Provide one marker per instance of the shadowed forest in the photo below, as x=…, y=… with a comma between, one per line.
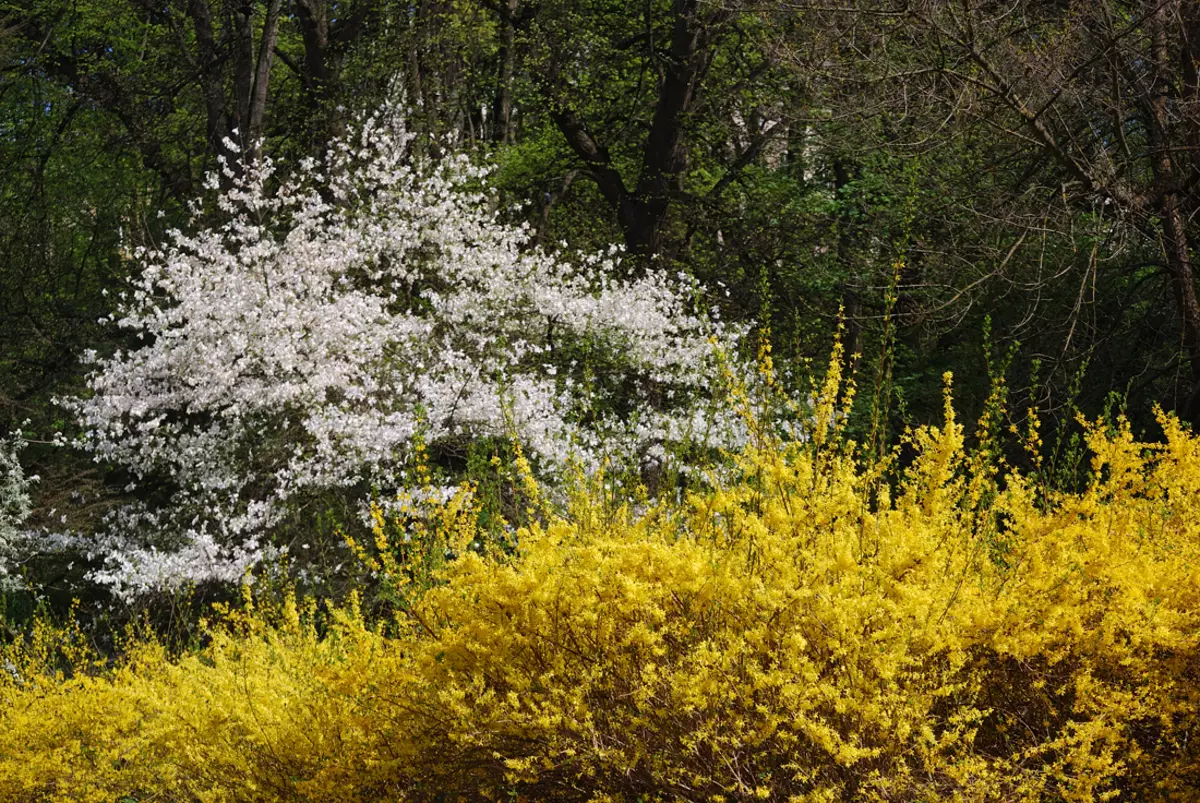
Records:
x=597, y=400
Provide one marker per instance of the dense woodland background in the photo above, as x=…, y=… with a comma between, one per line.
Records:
x=991, y=188
x=487, y=511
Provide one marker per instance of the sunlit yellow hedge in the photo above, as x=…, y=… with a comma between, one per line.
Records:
x=808, y=631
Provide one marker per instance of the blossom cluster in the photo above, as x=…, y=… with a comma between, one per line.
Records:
x=15, y=504
x=345, y=308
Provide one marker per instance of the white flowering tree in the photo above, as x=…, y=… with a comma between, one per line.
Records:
x=299, y=347
x=14, y=504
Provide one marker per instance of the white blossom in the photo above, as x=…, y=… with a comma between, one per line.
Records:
x=15, y=504
x=299, y=347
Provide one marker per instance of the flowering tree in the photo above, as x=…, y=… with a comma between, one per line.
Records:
x=14, y=502
x=298, y=348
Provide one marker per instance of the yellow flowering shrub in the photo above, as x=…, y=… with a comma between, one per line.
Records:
x=808, y=630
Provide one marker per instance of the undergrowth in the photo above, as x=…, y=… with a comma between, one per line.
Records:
x=805, y=625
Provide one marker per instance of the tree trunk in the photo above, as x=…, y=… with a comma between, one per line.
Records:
x=315, y=80
x=664, y=158
x=212, y=86
x=641, y=223
x=251, y=72
x=1179, y=264
x=642, y=211
x=1176, y=247
x=262, y=78
x=242, y=13
x=502, y=130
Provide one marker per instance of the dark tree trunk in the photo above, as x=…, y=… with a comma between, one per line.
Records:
x=502, y=129
x=1176, y=245
x=1189, y=63
x=1179, y=264
x=262, y=78
x=315, y=77
x=325, y=45
x=642, y=211
x=251, y=73
x=242, y=14
x=208, y=65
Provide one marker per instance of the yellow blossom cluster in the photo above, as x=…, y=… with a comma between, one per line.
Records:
x=809, y=630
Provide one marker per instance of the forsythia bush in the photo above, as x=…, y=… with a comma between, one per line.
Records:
x=807, y=630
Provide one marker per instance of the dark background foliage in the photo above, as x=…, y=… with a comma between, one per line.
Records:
x=948, y=180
